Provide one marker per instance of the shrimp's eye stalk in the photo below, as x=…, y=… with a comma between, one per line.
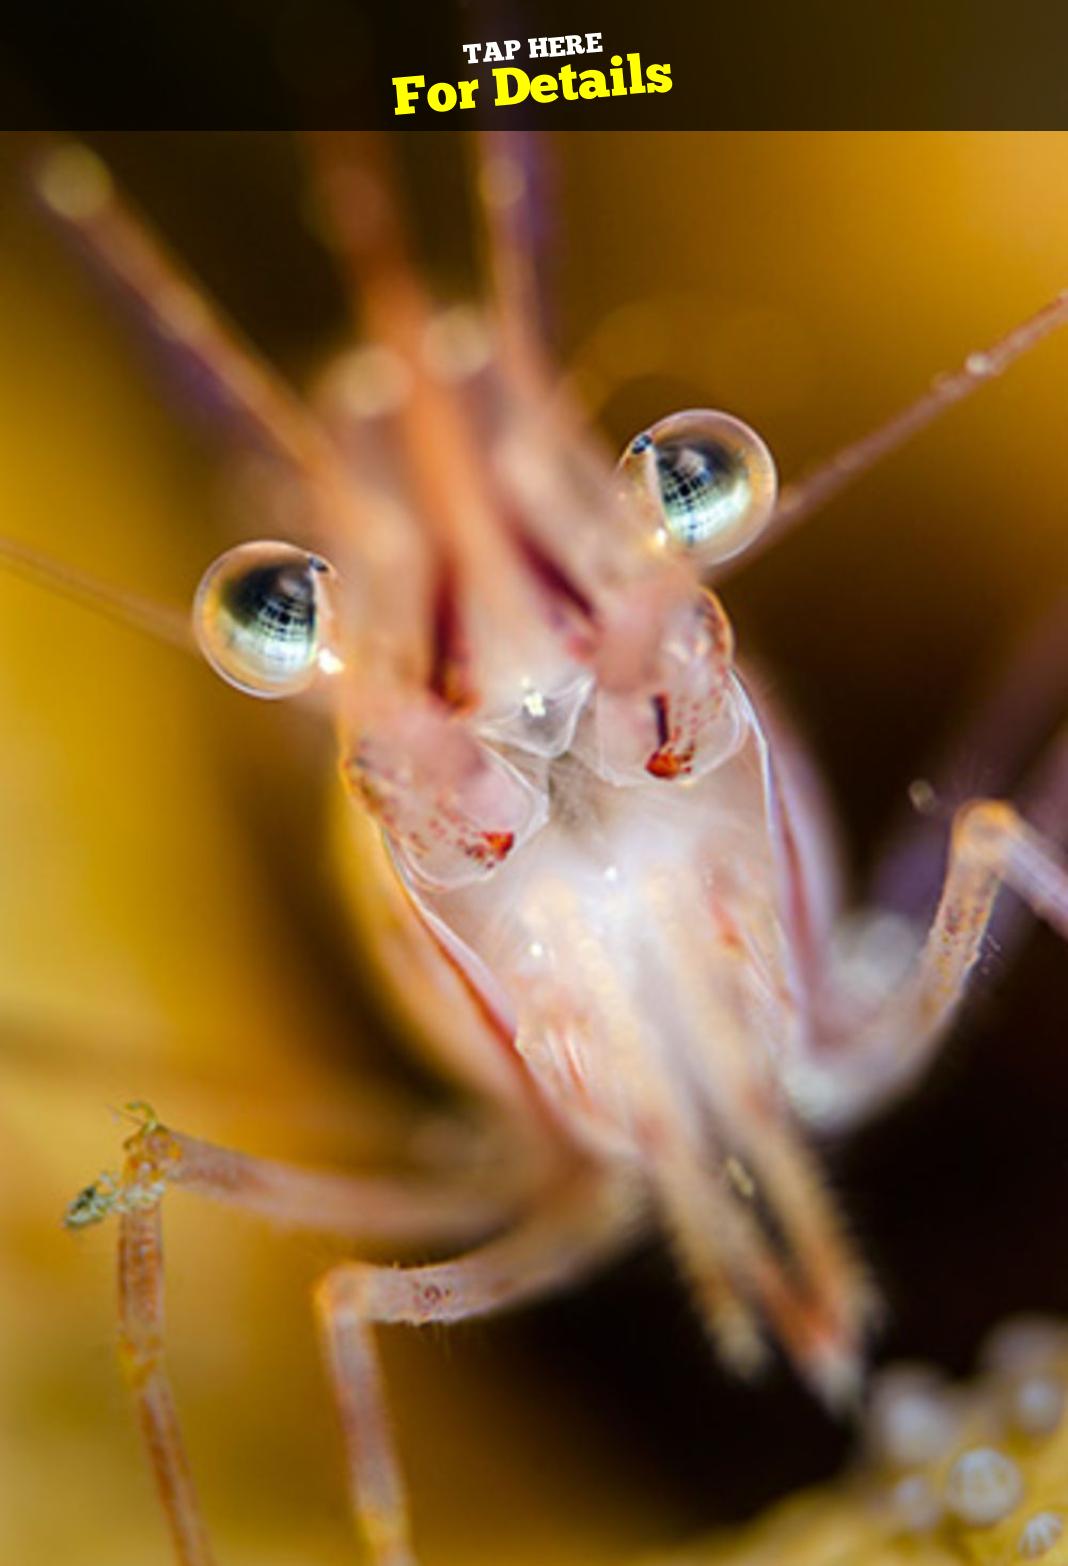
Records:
x=707, y=481
x=262, y=617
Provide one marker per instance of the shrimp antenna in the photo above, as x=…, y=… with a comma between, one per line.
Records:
x=814, y=489
x=362, y=226
x=77, y=191
x=504, y=167
x=159, y=621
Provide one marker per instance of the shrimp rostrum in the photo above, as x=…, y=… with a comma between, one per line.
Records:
x=613, y=851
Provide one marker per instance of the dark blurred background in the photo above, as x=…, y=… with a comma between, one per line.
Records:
x=168, y=915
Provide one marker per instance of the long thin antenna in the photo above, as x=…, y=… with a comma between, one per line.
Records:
x=504, y=161
x=77, y=190
x=815, y=489
x=159, y=621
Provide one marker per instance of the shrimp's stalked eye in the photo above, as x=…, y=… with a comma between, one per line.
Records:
x=259, y=617
x=708, y=480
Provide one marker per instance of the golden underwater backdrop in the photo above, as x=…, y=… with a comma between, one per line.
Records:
x=171, y=928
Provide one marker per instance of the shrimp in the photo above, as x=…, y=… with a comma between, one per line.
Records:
x=606, y=851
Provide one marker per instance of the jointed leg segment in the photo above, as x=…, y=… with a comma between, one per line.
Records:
x=583, y=1225
x=396, y=1210
x=576, y=1226
x=141, y=1350
x=991, y=846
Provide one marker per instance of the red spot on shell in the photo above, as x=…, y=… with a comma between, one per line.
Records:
x=494, y=846
x=669, y=763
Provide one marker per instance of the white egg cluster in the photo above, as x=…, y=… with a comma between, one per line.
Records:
x=981, y=1458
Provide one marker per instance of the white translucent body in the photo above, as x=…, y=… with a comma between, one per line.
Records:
x=604, y=934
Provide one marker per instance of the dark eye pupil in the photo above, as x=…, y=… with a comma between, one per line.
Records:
x=699, y=487
x=275, y=602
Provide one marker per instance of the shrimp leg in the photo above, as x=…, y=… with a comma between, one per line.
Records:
x=141, y=1352
x=581, y=1227
x=396, y=1210
x=329, y=1203
x=993, y=751
x=991, y=846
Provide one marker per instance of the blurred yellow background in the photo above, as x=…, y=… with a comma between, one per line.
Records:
x=165, y=918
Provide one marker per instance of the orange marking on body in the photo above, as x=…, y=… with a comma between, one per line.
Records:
x=669, y=763
x=667, y=760
x=494, y=846
x=728, y=934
